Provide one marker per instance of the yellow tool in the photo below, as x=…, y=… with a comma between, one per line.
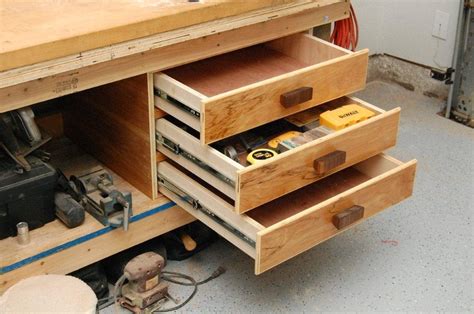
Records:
x=344, y=116
x=273, y=143
x=260, y=154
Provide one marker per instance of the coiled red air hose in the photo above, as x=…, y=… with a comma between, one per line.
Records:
x=346, y=32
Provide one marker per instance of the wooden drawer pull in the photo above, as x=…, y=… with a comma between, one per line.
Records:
x=296, y=96
x=330, y=161
x=348, y=217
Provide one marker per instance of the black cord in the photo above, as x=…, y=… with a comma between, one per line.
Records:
x=219, y=271
x=192, y=282
x=172, y=276
x=112, y=299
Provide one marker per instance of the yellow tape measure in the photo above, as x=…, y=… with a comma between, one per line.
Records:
x=344, y=116
x=273, y=143
x=260, y=155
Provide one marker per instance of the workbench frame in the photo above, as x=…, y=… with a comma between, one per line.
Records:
x=28, y=85
x=47, y=80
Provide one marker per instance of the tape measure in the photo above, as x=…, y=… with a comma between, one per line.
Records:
x=260, y=155
x=231, y=152
x=344, y=116
x=273, y=143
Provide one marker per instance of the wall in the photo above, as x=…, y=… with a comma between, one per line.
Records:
x=402, y=28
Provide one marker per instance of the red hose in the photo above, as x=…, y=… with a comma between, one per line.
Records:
x=346, y=32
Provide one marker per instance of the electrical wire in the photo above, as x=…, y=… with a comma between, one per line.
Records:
x=219, y=271
x=346, y=32
x=113, y=298
x=118, y=288
x=172, y=276
x=169, y=276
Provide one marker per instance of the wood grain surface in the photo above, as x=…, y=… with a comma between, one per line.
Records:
x=306, y=229
x=253, y=105
x=294, y=169
x=32, y=84
x=284, y=207
x=72, y=160
x=217, y=75
x=112, y=122
x=35, y=31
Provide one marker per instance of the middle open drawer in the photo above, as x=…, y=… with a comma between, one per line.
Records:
x=250, y=186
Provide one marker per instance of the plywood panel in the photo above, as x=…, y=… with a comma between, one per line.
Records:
x=307, y=48
x=31, y=85
x=112, y=123
x=27, y=37
x=259, y=103
x=284, y=207
x=55, y=249
x=233, y=70
x=303, y=231
x=287, y=172
x=95, y=249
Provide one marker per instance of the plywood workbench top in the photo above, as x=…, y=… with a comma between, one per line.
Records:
x=32, y=31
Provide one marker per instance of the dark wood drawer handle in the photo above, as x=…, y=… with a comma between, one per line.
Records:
x=348, y=217
x=330, y=161
x=296, y=96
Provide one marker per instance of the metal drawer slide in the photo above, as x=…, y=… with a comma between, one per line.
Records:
x=176, y=148
x=162, y=181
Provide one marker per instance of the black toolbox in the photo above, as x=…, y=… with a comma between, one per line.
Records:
x=27, y=196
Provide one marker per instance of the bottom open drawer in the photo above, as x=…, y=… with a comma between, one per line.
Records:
x=294, y=223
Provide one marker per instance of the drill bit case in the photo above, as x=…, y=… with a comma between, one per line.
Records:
x=27, y=196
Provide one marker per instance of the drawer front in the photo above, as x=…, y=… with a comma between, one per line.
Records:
x=308, y=163
x=388, y=181
x=303, y=231
x=255, y=105
x=310, y=72
x=255, y=185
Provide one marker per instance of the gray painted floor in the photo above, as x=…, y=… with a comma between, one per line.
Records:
x=429, y=267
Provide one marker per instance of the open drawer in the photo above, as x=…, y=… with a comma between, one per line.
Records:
x=237, y=91
x=254, y=185
x=292, y=224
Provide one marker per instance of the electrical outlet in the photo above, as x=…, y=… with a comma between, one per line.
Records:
x=440, y=25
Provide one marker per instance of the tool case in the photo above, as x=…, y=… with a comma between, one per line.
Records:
x=27, y=196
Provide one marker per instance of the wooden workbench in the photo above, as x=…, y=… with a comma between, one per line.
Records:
x=51, y=49
x=36, y=31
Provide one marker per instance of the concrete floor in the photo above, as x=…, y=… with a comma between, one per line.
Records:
x=429, y=267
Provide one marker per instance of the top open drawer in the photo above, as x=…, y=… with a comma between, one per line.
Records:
x=231, y=93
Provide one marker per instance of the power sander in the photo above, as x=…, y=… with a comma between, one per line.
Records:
x=146, y=290
x=144, y=287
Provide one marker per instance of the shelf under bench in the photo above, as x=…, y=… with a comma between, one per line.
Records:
x=56, y=249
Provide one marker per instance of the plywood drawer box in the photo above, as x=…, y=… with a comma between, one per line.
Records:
x=254, y=185
x=290, y=225
x=237, y=91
